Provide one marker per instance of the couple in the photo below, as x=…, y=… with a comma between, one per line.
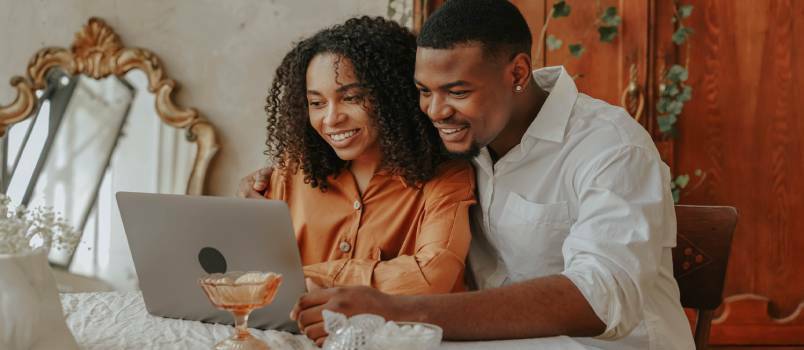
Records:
x=574, y=222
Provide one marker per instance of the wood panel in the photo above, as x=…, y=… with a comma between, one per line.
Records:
x=534, y=12
x=745, y=320
x=601, y=71
x=422, y=9
x=743, y=129
x=663, y=54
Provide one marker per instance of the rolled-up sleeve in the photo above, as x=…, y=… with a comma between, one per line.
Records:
x=442, y=244
x=613, y=250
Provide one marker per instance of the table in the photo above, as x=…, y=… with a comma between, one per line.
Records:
x=119, y=320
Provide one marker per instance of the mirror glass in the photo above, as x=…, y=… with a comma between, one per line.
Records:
x=86, y=140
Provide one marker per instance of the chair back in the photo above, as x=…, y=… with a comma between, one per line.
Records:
x=700, y=259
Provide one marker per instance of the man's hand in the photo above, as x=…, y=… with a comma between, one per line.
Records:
x=255, y=184
x=346, y=300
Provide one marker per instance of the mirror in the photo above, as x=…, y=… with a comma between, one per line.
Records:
x=88, y=122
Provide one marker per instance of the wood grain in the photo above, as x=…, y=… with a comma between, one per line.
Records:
x=700, y=259
x=743, y=129
x=745, y=320
x=599, y=70
x=534, y=12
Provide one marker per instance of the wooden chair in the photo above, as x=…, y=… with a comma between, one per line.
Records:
x=700, y=259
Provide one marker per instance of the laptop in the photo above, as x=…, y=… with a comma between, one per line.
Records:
x=175, y=239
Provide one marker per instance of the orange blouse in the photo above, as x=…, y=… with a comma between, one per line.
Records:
x=397, y=238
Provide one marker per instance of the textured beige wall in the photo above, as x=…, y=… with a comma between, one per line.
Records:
x=222, y=52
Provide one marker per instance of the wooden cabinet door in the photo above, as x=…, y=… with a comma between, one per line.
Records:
x=744, y=128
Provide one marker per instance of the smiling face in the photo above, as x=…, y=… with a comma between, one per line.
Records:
x=339, y=108
x=466, y=94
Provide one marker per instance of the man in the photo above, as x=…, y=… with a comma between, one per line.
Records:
x=575, y=222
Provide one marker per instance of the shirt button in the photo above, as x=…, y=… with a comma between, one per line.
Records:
x=357, y=205
x=345, y=246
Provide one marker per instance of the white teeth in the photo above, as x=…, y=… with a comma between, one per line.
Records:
x=452, y=131
x=344, y=135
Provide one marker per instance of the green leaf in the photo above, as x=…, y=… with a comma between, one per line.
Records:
x=671, y=90
x=663, y=104
x=673, y=133
x=677, y=73
x=610, y=17
x=698, y=172
x=685, y=10
x=576, y=50
x=607, y=34
x=675, y=107
x=553, y=43
x=663, y=89
x=665, y=123
x=676, y=195
x=560, y=9
x=682, y=34
x=686, y=94
x=682, y=180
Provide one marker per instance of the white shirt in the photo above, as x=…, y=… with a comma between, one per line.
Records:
x=585, y=194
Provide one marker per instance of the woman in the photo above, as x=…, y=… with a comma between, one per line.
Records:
x=373, y=200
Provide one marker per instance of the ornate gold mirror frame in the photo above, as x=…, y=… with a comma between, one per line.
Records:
x=98, y=53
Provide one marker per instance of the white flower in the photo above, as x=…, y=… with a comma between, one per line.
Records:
x=23, y=230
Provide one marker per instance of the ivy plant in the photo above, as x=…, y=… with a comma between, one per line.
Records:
x=674, y=91
x=607, y=23
x=681, y=182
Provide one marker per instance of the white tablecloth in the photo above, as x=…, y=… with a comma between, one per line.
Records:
x=117, y=320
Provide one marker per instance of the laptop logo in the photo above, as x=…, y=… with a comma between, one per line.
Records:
x=211, y=260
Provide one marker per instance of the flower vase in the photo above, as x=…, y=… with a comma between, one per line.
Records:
x=31, y=315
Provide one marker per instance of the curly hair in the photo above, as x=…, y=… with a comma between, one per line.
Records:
x=383, y=55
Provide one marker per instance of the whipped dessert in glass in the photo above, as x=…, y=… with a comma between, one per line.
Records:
x=240, y=293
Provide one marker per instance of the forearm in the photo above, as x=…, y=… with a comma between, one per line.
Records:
x=401, y=275
x=543, y=307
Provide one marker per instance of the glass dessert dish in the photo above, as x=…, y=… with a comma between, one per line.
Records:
x=407, y=335
x=240, y=293
x=372, y=332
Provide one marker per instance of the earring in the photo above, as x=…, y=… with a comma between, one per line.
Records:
x=518, y=88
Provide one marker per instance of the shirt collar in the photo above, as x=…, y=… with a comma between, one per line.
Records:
x=345, y=178
x=388, y=173
x=551, y=122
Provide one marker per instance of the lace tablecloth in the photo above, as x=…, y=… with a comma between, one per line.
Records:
x=118, y=320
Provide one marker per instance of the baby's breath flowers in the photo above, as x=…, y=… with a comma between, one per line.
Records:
x=25, y=230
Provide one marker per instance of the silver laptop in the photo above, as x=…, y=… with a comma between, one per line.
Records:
x=176, y=239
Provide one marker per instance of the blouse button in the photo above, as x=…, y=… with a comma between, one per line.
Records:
x=345, y=246
x=357, y=205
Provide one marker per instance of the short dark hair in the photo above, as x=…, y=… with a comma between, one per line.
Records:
x=496, y=24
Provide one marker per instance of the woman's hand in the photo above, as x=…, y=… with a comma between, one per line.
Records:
x=346, y=300
x=255, y=184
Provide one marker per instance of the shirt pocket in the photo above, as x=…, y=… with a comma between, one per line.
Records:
x=521, y=210
x=534, y=234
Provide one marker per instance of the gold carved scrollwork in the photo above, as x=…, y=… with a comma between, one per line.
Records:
x=98, y=52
